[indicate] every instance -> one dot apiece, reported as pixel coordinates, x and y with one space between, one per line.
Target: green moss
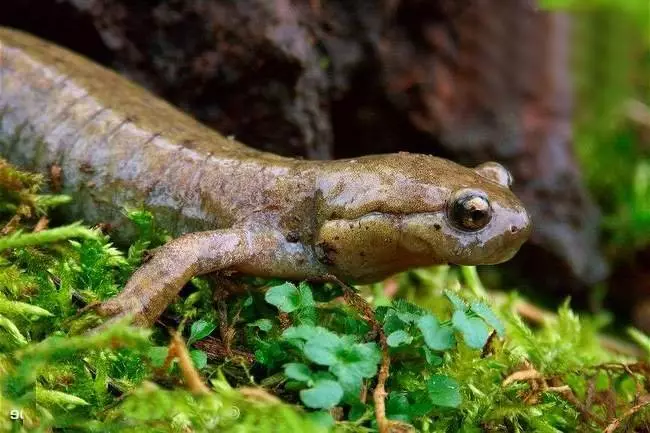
298 349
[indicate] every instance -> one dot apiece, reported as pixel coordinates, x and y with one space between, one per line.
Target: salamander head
384 214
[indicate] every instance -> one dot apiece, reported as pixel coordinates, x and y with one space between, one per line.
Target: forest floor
429 350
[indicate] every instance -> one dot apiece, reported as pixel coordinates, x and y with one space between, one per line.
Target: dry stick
56 175
216 350
522 375
285 320
533 376
591 391
41 224
11 226
379 394
258 394
226 331
584 411
177 349
638 112
611 428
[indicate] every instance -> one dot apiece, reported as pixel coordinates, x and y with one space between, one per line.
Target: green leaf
358 410
199 330
307 332
397 406
305 294
432 358
407 312
15 308
443 391
19 239
52 398
456 301
475 332
472 280
199 357
435 336
158 354
640 338
350 362
392 322
323 350
270 352
355 363
363 358
324 395
263 324
299 335
322 418
298 371
398 338
488 315
306 316
13 331
285 297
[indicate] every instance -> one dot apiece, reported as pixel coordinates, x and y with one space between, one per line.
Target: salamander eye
470 211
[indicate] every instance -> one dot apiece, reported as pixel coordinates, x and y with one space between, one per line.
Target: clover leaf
399 338
298 371
488 315
285 297
443 391
325 394
349 361
263 324
456 301
436 337
475 332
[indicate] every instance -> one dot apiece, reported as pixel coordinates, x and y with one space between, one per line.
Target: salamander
232 208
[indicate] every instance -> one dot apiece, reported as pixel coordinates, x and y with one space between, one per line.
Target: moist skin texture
233 208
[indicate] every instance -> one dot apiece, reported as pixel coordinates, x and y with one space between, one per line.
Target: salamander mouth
431 234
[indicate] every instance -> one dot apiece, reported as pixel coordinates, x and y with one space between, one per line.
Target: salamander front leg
154 285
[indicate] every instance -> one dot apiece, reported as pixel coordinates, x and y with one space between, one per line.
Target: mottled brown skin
234 208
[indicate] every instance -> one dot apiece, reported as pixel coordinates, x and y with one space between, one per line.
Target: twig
11 226
539 383
178 350
366 311
559 389
258 394
225 330
363 308
379 394
41 224
56 175
611 428
584 411
216 350
591 390
638 112
518 376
